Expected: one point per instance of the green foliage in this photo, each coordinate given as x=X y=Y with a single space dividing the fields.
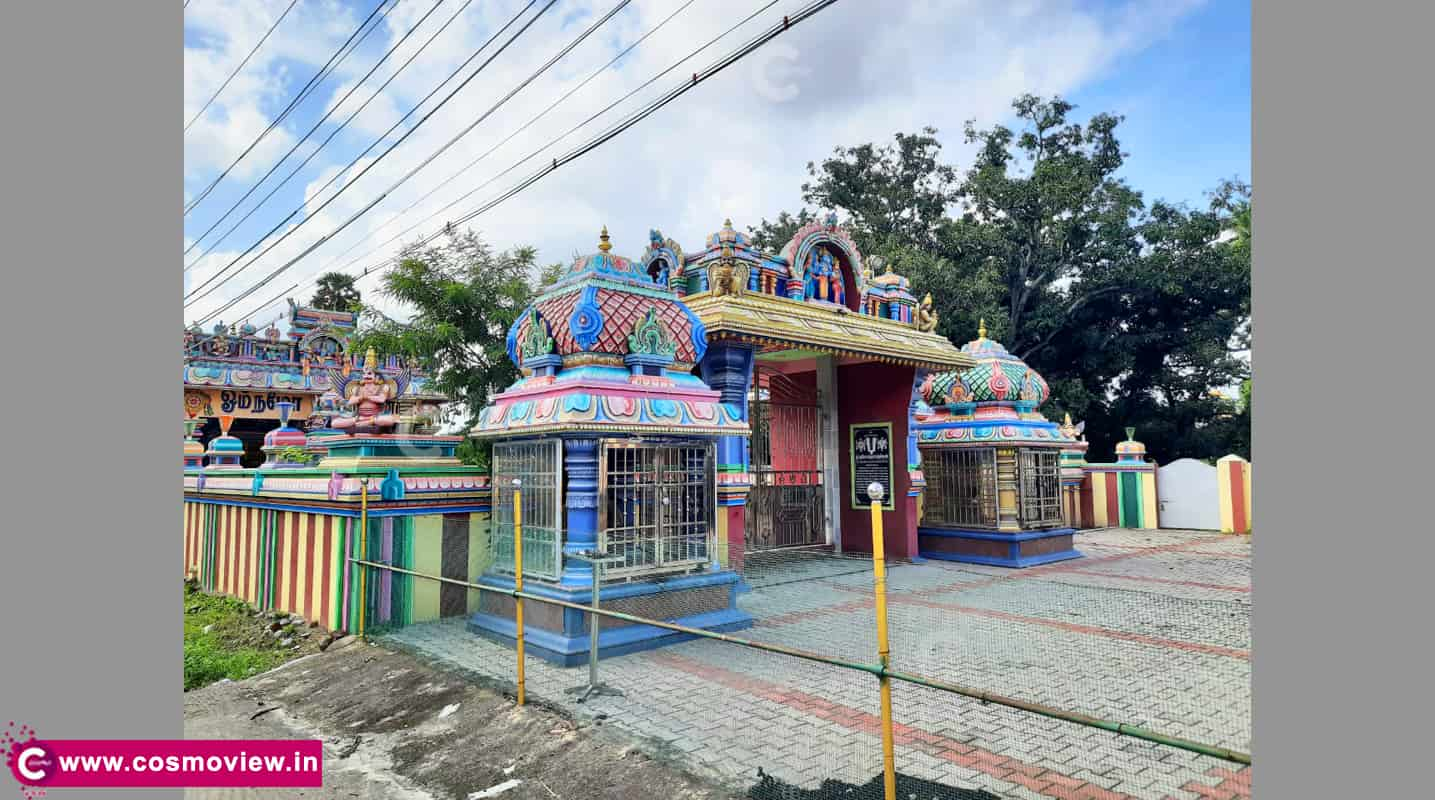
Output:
x=1133 y=313
x=294 y=454
x=463 y=297
x=550 y=275
x=336 y=292
x=474 y=453
x=771 y=236
x=232 y=648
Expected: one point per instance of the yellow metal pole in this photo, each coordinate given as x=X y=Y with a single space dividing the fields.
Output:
x=884 y=652
x=363 y=551
x=518 y=578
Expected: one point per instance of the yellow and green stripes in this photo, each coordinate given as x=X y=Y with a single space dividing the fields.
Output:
x=298 y=561
x=1117 y=498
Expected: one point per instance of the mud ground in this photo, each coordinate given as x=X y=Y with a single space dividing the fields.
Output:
x=396 y=727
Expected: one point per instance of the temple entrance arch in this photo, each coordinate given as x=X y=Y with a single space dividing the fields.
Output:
x=785 y=506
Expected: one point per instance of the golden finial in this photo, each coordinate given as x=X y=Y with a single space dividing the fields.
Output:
x=603 y=240
x=371 y=359
x=982 y=329
x=727 y=222
x=928 y=299
x=1067 y=420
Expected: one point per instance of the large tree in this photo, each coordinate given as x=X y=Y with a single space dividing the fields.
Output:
x=336 y=292
x=1134 y=314
x=463 y=296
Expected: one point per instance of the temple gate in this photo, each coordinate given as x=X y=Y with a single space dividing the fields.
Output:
x=786 y=502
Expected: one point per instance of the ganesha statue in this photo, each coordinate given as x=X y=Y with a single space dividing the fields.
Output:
x=367 y=397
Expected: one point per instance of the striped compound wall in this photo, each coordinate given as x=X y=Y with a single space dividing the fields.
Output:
x=1233 y=481
x=295 y=561
x=1115 y=496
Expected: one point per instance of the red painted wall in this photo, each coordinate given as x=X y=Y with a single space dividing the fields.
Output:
x=877 y=393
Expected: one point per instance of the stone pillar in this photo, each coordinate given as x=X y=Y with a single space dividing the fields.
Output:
x=831 y=450
x=727 y=368
x=580 y=503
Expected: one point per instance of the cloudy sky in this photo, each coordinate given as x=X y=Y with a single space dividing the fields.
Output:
x=736 y=145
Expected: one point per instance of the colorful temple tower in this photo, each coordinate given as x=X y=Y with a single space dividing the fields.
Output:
x=282 y=536
x=610 y=438
x=822 y=359
x=246 y=373
x=993 y=464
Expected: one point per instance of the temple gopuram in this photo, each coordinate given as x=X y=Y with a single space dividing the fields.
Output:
x=243 y=372
x=677 y=416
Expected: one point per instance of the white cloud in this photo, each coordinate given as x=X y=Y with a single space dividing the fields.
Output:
x=734 y=146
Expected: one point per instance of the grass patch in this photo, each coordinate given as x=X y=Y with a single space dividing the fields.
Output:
x=235 y=646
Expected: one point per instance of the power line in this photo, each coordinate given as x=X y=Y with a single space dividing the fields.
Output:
x=333 y=62
x=279 y=225
x=425 y=240
x=698 y=77
x=332 y=108
x=521 y=129
x=224 y=85
x=549 y=144
x=467 y=129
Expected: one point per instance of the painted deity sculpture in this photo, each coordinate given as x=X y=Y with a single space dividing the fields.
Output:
x=824 y=278
x=367 y=397
x=926 y=315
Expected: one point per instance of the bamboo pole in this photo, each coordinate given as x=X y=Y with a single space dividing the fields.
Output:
x=884 y=650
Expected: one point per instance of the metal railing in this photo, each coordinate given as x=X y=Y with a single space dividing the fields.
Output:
x=961 y=487
x=1040 y=481
x=656 y=506
x=881 y=669
x=538 y=464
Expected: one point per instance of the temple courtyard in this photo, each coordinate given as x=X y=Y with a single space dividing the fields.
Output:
x=1150 y=628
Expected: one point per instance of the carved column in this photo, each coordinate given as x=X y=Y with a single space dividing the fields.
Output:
x=580 y=502
x=727 y=368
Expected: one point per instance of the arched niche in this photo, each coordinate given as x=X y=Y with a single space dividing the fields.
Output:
x=816 y=238
x=663 y=261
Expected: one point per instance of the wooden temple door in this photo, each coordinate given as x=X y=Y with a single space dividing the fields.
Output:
x=785 y=506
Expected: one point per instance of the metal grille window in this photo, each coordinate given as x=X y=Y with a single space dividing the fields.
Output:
x=657 y=506
x=961 y=488
x=1040 y=488
x=538 y=464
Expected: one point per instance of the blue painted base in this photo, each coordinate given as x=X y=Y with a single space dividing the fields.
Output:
x=1013 y=557
x=569 y=647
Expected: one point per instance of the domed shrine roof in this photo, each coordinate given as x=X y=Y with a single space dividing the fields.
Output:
x=1130 y=450
x=998 y=376
x=595 y=306
x=994 y=401
x=608 y=349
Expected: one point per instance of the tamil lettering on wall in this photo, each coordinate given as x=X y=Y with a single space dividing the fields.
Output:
x=244 y=404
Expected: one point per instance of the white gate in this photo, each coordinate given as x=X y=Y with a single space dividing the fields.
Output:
x=1189 y=496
